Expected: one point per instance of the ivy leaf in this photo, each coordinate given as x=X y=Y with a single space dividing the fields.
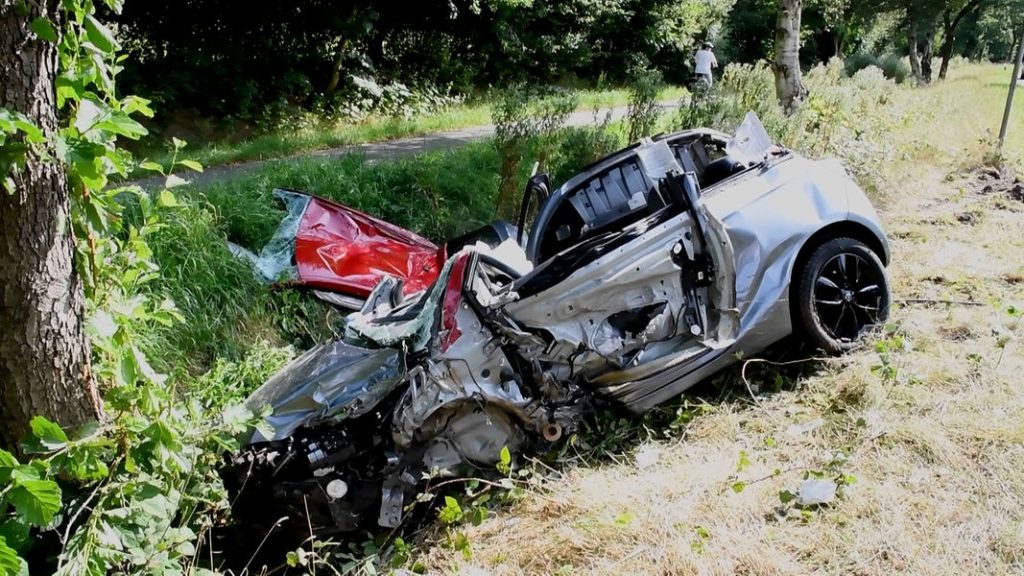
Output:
x=99 y=34
x=44 y=29
x=37 y=501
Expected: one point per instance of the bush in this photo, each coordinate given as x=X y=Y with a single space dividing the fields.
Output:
x=847 y=117
x=856 y=62
x=894 y=68
x=523 y=116
x=643 y=113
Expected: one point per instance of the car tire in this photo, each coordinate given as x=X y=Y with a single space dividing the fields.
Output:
x=840 y=293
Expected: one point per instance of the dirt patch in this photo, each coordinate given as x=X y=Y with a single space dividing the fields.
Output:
x=989 y=180
x=957 y=333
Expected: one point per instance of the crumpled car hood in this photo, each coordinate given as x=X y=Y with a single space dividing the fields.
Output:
x=333 y=381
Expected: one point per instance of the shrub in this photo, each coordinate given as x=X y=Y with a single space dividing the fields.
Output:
x=522 y=116
x=643 y=113
x=894 y=68
x=847 y=117
x=856 y=62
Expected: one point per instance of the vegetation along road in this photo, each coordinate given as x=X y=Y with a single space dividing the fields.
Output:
x=130 y=334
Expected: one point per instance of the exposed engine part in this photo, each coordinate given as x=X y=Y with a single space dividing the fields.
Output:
x=552 y=432
x=336 y=489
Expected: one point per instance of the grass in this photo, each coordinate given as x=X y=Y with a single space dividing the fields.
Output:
x=320 y=135
x=928 y=416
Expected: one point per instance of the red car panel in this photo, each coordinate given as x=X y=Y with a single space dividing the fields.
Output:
x=344 y=250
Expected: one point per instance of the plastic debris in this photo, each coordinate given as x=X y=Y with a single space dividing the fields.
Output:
x=814 y=492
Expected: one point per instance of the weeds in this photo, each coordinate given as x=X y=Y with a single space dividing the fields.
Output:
x=643 y=114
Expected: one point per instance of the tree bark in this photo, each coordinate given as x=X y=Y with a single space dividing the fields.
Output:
x=789 y=87
x=339 y=59
x=926 y=58
x=915 y=56
x=44 y=354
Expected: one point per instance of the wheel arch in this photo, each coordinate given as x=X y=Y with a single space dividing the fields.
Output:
x=840 y=229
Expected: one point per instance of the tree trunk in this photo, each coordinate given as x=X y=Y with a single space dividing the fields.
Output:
x=915 y=56
x=44 y=354
x=339 y=59
x=926 y=59
x=949 y=25
x=789 y=87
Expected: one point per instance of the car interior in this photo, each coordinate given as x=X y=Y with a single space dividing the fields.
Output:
x=611 y=199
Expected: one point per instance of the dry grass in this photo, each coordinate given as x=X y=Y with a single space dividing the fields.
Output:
x=937 y=450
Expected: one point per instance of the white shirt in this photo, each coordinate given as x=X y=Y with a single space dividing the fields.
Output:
x=704 y=60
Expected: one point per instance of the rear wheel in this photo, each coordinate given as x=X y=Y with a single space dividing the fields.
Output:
x=841 y=293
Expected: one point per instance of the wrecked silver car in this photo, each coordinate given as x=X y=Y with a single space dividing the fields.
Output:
x=646 y=273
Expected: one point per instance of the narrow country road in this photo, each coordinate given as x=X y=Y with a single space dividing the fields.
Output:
x=391 y=149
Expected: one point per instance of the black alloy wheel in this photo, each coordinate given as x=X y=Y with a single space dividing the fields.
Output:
x=842 y=292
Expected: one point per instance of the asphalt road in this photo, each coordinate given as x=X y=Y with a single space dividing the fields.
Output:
x=389 y=150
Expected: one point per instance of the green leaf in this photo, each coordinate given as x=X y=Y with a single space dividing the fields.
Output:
x=44 y=29
x=167 y=199
x=37 y=501
x=88 y=113
x=738 y=487
x=151 y=166
x=50 y=435
x=121 y=123
x=191 y=165
x=99 y=35
x=10 y=563
x=786 y=496
x=7 y=460
x=173 y=181
x=103 y=324
x=744 y=461
x=15 y=533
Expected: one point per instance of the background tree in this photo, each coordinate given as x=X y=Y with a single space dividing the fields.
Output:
x=789 y=87
x=44 y=355
x=953 y=14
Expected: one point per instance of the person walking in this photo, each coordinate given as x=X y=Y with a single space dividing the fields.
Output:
x=704 y=62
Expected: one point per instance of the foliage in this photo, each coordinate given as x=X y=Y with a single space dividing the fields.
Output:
x=845 y=117
x=134 y=493
x=643 y=113
x=258 y=59
x=525 y=116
